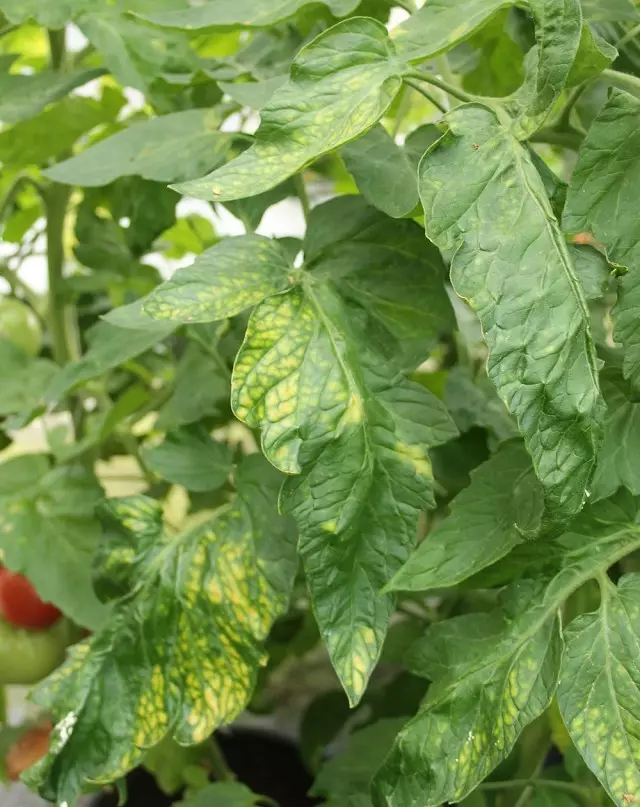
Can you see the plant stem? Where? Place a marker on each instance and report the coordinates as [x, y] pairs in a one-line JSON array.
[[219, 765], [429, 96], [624, 81], [632, 34], [57, 47], [302, 195], [569, 140], [211, 351], [57, 199], [450, 89]]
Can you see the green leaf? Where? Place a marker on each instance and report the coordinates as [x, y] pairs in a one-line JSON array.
[[619, 459], [341, 84], [223, 794], [242, 13], [601, 201], [494, 673], [181, 650], [25, 96], [148, 149], [610, 10], [350, 773], [594, 55], [47, 523], [486, 522], [599, 689], [132, 53], [55, 130], [251, 209], [191, 458], [592, 269], [109, 346], [23, 380], [51, 15], [301, 378], [383, 172], [222, 281], [479, 181], [253, 93]]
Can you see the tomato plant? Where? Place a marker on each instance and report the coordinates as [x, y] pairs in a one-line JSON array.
[[337, 369]]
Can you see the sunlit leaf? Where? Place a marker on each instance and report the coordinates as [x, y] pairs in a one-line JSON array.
[[180, 653], [489, 204], [341, 84]]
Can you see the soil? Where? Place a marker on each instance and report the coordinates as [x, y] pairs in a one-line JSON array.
[[266, 762]]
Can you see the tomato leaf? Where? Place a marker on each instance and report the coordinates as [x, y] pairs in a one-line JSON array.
[[47, 523], [493, 674], [147, 149], [501, 277], [352, 66], [184, 641], [602, 188], [599, 688], [223, 794]]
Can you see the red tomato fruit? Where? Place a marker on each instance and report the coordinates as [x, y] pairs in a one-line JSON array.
[[21, 606]]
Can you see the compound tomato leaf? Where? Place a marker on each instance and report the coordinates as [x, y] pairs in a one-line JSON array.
[[480, 188], [340, 85], [181, 650], [383, 172], [601, 201], [242, 13], [222, 281], [303, 379], [47, 522], [619, 459], [481, 527], [599, 689], [493, 674], [190, 457], [148, 149]]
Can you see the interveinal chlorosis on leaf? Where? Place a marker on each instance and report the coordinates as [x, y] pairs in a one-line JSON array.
[[183, 642]]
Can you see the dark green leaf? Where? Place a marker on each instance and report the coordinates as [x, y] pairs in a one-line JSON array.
[[251, 209], [483, 188], [383, 172], [23, 96], [223, 794], [23, 379], [149, 148], [503, 496], [592, 269], [594, 55], [599, 689], [242, 13], [191, 458], [253, 93], [352, 66], [181, 650], [493, 674], [224, 280], [610, 10], [51, 15], [601, 201], [47, 523]]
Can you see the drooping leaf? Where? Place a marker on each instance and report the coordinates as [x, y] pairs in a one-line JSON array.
[[599, 689], [340, 85], [489, 204], [619, 459], [242, 13], [223, 794], [191, 458], [382, 172], [109, 346], [23, 96], [601, 201], [482, 527], [134, 56], [222, 281], [181, 651], [494, 673], [47, 523], [149, 149]]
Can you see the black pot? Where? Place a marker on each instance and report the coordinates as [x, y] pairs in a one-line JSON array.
[[267, 762]]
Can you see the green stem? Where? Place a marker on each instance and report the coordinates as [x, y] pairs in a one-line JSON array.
[[450, 89], [57, 47], [429, 96], [14, 191], [209, 350], [57, 199], [302, 195], [569, 140], [564, 121], [624, 81], [581, 793], [19, 287], [219, 765], [632, 34]]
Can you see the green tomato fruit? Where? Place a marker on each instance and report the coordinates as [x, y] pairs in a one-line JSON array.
[[19, 325], [27, 657]]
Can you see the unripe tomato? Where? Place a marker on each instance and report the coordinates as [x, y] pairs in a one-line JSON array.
[[27, 657], [20, 604], [19, 325]]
